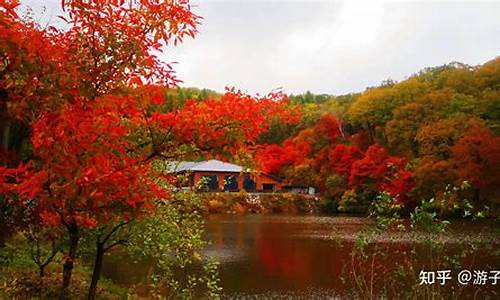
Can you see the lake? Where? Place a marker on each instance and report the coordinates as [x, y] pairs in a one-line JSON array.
[[270, 256], [306, 256]]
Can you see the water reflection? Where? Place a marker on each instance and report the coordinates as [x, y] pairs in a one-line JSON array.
[[280, 255], [260, 253]]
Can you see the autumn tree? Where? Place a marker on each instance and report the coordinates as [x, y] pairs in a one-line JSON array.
[[87, 152], [432, 176], [436, 139], [419, 120], [342, 157], [51, 76], [488, 108], [477, 158], [402, 129], [335, 167], [374, 108], [307, 142], [96, 121], [408, 119], [488, 75], [272, 158], [82, 164], [380, 171]]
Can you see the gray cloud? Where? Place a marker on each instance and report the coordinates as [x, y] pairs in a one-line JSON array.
[[328, 47]]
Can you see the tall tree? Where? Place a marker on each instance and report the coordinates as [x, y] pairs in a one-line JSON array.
[[96, 120], [477, 157]]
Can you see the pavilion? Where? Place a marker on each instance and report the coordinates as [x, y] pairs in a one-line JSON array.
[[217, 175]]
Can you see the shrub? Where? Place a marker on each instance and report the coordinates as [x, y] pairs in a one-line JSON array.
[[425, 218], [387, 211]]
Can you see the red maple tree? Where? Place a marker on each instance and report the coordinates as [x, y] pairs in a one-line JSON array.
[[321, 147], [477, 159], [91, 98]]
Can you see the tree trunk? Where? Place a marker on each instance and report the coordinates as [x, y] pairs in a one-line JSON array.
[[101, 248], [96, 274], [41, 271], [70, 259]]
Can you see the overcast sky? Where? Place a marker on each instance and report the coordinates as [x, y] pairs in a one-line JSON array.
[[330, 47]]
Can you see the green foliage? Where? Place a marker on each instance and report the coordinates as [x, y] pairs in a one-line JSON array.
[[361, 242], [16, 253], [277, 133], [425, 218], [353, 202], [312, 107], [335, 185], [488, 108], [309, 97], [466, 209], [20, 278], [348, 199], [175, 98], [387, 211], [173, 239], [454, 202], [463, 207]]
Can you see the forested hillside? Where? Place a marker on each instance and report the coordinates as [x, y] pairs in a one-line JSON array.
[[416, 139]]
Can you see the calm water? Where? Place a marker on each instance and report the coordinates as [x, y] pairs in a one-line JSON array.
[[306, 256], [279, 256]]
